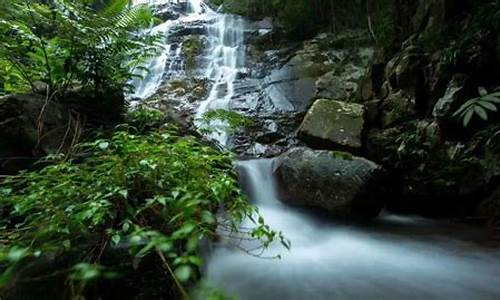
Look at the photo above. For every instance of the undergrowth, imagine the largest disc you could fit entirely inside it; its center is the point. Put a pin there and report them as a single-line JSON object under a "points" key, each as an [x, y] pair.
{"points": [[153, 194]]}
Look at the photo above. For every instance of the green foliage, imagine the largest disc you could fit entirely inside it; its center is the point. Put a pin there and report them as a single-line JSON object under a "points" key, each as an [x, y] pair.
{"points": [[480, 106], [430, 165], [64, 43], [145, 118], [155, 193], [382, 20], [461, 41], [297, 17], [229, 121]]}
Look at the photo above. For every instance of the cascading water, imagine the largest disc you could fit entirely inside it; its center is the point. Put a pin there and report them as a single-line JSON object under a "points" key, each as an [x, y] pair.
{"points": [[165, 62], [226, 62], [394, 258]]}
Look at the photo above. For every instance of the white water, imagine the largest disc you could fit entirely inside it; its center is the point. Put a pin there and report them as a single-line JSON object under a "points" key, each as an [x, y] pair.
{"points": [[157, 66], [226, 61], [225, 55], [393, 258]]}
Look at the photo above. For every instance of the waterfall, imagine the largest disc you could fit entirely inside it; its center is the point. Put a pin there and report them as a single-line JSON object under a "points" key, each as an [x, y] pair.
{"points": [[226, 62], [164, 64]]}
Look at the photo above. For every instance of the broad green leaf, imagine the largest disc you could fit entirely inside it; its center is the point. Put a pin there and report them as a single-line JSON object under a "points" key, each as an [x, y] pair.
{"points": [[481, 113], [184, 273], [468, 117], [487, 105]]}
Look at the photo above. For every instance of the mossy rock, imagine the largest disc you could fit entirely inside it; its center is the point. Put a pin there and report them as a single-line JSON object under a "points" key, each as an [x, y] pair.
{"points": [[333, 124], [397, 108], [191, 49]]}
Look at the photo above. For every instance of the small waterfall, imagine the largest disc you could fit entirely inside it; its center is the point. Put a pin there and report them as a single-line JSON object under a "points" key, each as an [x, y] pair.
{"points": [[152, 78], [226, 62], [164, 65], [394, 258]]}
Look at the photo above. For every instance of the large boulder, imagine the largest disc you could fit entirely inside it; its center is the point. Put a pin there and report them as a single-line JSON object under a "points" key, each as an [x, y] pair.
{"points": [[344, 185], [333, 124], [20, 119], [347, 80]]}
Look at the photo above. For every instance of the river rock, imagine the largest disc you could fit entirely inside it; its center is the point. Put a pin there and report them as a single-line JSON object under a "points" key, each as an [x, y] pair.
{"points": [[344, 185], [333, 124]]}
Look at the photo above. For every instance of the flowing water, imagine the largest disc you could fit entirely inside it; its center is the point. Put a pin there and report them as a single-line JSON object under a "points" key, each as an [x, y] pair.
{"points": [[393, 257]]}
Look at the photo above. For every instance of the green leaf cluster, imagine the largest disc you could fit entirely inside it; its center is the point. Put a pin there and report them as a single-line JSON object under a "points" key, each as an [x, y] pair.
{"points": [[225, 120], [480, 106], [154, 193], [65, 44]]}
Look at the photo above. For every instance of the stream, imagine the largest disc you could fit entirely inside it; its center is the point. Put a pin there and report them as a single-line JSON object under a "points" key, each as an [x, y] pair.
{"points": [[392, 257]]}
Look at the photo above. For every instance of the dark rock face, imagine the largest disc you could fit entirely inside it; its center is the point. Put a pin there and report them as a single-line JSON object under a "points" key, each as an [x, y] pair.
{"points": [[457, 93], [30, 127], [344, 185], [19, 137], [333, 124], [397, 108]]}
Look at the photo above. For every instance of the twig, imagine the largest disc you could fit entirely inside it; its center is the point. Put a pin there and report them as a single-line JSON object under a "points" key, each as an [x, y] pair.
{"points": [[171, 272], [66, 133], [370, 25]]}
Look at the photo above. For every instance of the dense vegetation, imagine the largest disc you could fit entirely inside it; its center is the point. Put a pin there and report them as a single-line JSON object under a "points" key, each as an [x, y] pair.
{"points": [[303, 18], [139, 191], [68, 44]]}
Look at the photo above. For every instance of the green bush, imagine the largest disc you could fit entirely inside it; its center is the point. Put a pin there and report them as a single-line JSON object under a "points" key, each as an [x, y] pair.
{"points": [[155, 193], [69, 43]]}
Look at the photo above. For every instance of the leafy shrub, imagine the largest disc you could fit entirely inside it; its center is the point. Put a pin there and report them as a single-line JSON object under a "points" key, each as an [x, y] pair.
{"points": [[65, 43], [155, 193], [145, 118], [229, 121], [478, 106]]}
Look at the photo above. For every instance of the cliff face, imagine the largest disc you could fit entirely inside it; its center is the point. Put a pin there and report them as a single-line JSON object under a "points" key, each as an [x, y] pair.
{"points": [[432, 57]]}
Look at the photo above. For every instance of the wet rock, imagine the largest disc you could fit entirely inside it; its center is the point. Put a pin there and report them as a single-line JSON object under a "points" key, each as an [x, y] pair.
{"points": [[341, 87], [333, 124], [170, 10], [405, 72], [270, 133], [344, 185], [453, 98], [397, 108], [191, 49], [347, 81], [457, 93]]}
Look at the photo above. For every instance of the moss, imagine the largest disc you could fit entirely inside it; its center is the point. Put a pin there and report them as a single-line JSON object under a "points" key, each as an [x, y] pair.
{"points": [[234, 120], [177, 84], [191, 49], [342, 155]]}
